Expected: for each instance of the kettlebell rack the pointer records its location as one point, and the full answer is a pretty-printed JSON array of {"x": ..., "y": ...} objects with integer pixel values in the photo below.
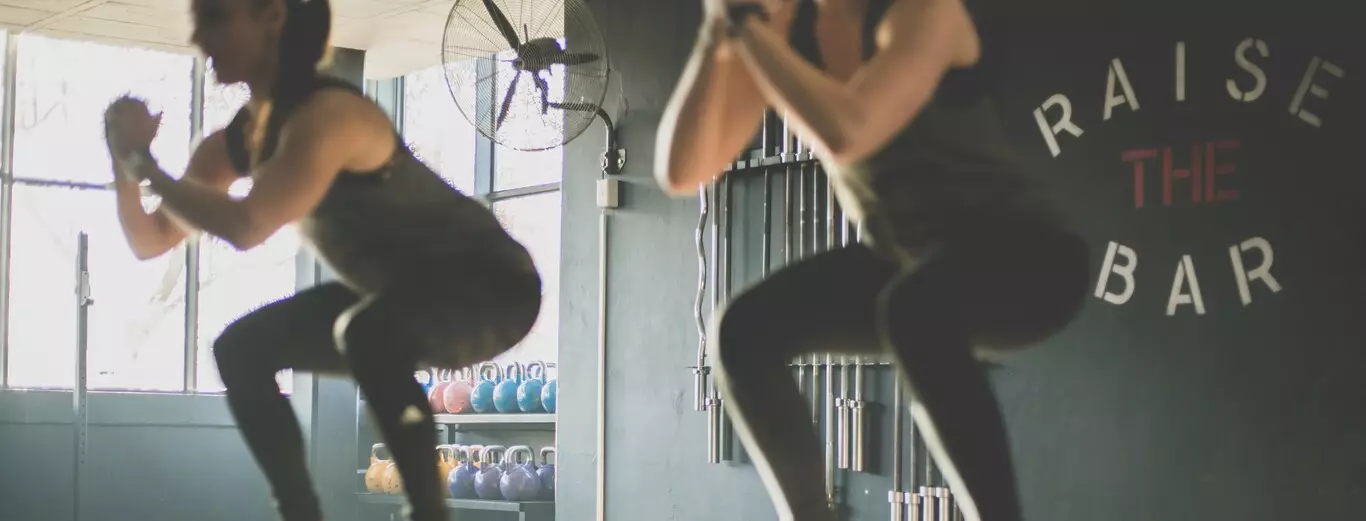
[{"x": 800, "y": 220}]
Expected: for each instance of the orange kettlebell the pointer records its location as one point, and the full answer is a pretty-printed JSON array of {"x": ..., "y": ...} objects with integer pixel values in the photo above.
[
  {"x": 392, "y": 480},
  {"x": 457, "y": 392},
  {"x": 445, "y": 462},
  {"x": 476, "y": 455},
  {"x": 374, "y": 475}
]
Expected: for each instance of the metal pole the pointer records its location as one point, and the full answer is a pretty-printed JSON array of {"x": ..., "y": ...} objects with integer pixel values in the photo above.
[
  {"x": 7, "y": 193},
  {"x": 700, "y": 371},
  {"x": 191, "y": 376},
  {"x": 713, "y": 401},
  {"x": 80, "y": 408},
  {"x": 723, "y": 433},
  {"x": 897, "y": 496},
  {"x": 789, "y": 156}
]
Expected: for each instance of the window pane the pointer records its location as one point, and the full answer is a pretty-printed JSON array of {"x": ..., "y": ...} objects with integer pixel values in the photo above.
[
  {"x": 233, "y": 283},
  {"x": 221, "y": 102},
  {"x": 515, "y": 168},
  {"x": 435, "y": 129},
  {"x": 64, "y": 87},
  {"x": 137, "y": 323},
  {"x": 535, "y": 222}
]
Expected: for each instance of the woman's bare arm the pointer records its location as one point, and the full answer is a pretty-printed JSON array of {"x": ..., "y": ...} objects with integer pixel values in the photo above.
[
  {"x": 713, "y": 113},
  {"x": 152, "y": 234},
  {"x": 918, "y": 42}
]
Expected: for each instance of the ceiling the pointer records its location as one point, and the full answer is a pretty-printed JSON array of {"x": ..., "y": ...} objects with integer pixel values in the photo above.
[{"x": 399, "y": 36}]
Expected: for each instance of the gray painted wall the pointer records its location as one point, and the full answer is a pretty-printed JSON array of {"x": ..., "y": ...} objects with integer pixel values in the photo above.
[
  {"x": 1128, "y": 415},
  {"x": 156, "y": 457}
]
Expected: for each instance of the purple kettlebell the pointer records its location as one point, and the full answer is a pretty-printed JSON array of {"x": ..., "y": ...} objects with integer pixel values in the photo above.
[
  {"x": 547, "y": 474},
  {"x": 486, "y": 480},
  {"x": 461, "y": 479},
  {"x": 520, "y": 482}
]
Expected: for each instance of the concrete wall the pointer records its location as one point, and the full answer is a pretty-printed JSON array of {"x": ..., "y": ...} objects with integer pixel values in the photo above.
[
  {"x": 1247, "y": 411},
  {"x": 158, "y": 457}
]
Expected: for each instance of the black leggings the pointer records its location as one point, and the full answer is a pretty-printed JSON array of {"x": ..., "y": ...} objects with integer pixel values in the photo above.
[
  {"x": 381, "y": 340},
  {"x": 1009, "y": 292}
]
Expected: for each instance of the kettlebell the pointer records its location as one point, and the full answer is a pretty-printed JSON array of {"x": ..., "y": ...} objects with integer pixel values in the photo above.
[
  {"x": 486, "y": 481},
  {"x": 519, "y": 481},
  {"x": 445, "y": 460},
  {"x": 547, "y": 474},
  {"x": 374, "y": 475},
  {"x": 457, "y": 395},
  {"x": 481, "y": 397},
  {"x": 392, "y": 480},
  {"x": 505, "y": 394},
  {"x": 529, "y": 392},
  {"x": 437, "y": 395},
  {"x": 550, "y": 391},
  {"x": 476, "y": 455},
  {"x": 460, "y": 481}
]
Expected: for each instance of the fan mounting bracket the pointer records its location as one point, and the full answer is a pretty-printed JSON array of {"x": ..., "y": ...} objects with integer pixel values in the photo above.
[{"x": 613, "y": 161}]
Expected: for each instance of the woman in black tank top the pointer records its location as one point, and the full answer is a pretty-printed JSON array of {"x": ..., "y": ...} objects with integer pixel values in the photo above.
[
  {"x": 427, "y": 276},
  {"x": 959, "y": 254}
]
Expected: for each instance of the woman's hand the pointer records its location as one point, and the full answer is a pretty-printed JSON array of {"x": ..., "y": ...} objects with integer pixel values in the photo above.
[
  {"x": 780, "y": 12},
  {"x": 129, "y": 126}
]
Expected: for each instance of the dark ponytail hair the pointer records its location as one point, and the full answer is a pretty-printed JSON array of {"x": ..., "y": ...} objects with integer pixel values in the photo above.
[{"x": 304, "y": 48}]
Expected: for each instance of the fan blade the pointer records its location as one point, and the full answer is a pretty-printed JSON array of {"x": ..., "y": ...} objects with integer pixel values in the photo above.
[
  {"x": 507, "y": 100},
  {"x": 504, "y": 26},
  {"x": 574, "y": 105},
  {"x": 544, "y": 87},
  {"x": 574, "y": 58}
]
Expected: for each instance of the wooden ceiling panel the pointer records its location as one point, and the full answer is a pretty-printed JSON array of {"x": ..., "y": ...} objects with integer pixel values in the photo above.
[{"x": 404, "y": 35}]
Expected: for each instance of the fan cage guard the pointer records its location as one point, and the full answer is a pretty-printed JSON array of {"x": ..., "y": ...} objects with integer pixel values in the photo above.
[{"x": 479, "y": 65}]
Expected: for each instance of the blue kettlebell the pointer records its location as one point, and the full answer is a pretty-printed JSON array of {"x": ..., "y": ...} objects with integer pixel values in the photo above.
[
  {"x": 529, "y": 393},
  {"x": 549, "y": 391},
  {"x": 505, "y": 393},
  {"x": 487, "y": 480},
  {"x": 519, "y": 481},
  {"x": 461, "y": 480},
  {"x": 547, "y": 474},
  {"x": 481, "y": 398},
  {"x": 426, "y": 379}
]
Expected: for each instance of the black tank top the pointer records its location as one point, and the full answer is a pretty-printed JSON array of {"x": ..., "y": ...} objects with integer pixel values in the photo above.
[
  {"x": 950, "y": 175},
  {"x": 400, "y": 220}
]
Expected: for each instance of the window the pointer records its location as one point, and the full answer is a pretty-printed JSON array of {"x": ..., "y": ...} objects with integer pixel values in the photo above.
[
  {"x": 434, "y": 127},
  {"x": 136, "y": 327},
  {"x": 534, "y": 220},
  {"x": 62, "y": 91},
  {"x": 233, "y": 283},
  {"x": 221, "y": 102}
]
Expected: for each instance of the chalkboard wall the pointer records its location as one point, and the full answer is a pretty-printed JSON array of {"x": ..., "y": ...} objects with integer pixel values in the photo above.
[{"x": 1213, "y": 374}]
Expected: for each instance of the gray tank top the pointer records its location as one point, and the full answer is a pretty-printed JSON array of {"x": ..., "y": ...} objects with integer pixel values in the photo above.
[
  {"x": 950, "y": 175},
  {"x": 402, "y": 220}
]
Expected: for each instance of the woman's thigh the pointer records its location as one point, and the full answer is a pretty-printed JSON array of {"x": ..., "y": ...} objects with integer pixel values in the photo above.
[
  {"x": 295, "y": 332},
  {"x": 1007, "y": 291},
  {"x": 458, "y": 318},
  {"x": 826, "y": 303}
]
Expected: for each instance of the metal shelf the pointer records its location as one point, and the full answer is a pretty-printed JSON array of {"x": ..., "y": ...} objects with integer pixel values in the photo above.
[
  {"x": 533, "y": 508},
  {"x": 543, "y": 419}
]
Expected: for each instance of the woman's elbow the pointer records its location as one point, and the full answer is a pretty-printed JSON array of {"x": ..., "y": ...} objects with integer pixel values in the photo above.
[{"x": 673, "y": 178}]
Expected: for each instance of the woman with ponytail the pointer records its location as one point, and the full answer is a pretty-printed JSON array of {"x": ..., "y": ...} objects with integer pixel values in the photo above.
[{"x": 427, "y": 276}]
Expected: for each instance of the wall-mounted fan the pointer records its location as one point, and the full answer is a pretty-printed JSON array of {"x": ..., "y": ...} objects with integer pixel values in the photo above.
[{"x": 528, "y": 74}]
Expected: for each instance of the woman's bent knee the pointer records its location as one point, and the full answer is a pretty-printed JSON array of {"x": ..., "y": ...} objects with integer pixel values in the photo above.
[{"x": 234, "y": 352}]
